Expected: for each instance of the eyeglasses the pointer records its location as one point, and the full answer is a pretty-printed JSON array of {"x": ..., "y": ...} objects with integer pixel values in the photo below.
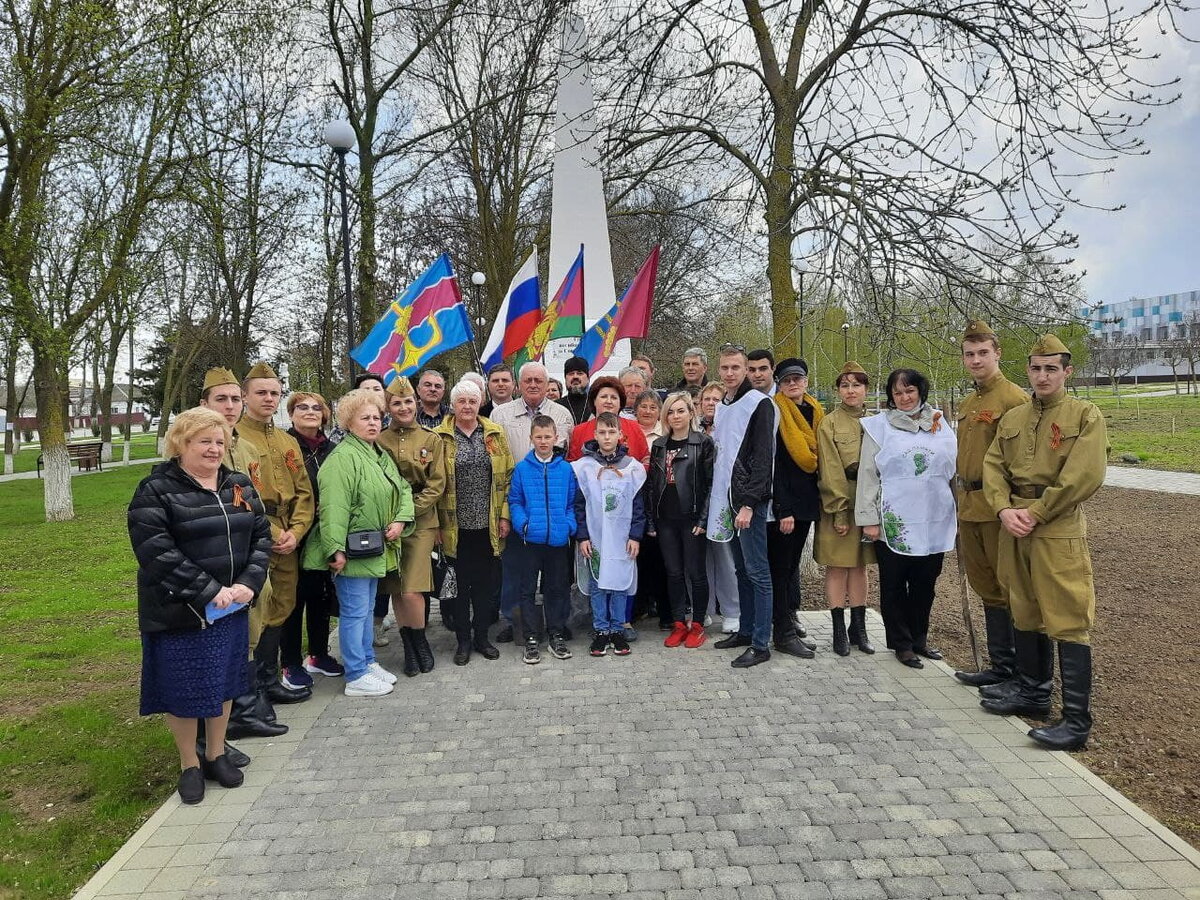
[{"x": 305, "y": 407}]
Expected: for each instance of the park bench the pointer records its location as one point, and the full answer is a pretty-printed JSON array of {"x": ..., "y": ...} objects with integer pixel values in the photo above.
[{"x": 85, "y": 453}]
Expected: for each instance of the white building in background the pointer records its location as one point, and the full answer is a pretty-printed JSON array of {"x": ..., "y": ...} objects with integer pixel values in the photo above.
[{"x": 1151, "y": 324}]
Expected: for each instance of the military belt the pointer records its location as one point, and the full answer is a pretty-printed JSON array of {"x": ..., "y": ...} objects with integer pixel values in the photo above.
[
  {"x": 271, "y": 507},
  {"x": 851, "y": 472},
  {"x": 1029, "y": 491},
  {"x": 970, "y": 485}
]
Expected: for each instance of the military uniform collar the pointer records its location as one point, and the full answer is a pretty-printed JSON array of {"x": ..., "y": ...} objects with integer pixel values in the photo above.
[
  {"x": 1052, "y": 401},
  {"x": 255, "y": 425},
  {"x": 988, "y": 384},
  {"x": 856, "y": 411},
  {"x": 398, "y": 428}
]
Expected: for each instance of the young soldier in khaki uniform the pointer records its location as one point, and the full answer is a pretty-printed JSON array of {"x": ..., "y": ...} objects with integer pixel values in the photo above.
[
  {"x": 978, "y": 528},
  {"x": 422, "y": 463},
  {"x": 282, "y": 482},
  {"x": 1048, "y": 458},
  {"x": 223, "y": 394}
]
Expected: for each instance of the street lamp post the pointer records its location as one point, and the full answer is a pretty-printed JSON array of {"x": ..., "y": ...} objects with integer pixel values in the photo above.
[
  {"x": 339, "y": 135},
  {"x": 478, "y": 280},
  {"x": 801, "y": 268},
  {"x": 845, "y": 341}
]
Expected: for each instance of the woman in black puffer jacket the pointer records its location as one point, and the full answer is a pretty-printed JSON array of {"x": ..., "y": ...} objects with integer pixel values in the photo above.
[{"x": 202, "y": 543}]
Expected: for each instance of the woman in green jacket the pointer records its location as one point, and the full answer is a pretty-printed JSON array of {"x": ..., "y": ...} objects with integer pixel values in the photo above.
[
  {"x": 362, "y": 494},
  {"x": 473, "y": 517}
]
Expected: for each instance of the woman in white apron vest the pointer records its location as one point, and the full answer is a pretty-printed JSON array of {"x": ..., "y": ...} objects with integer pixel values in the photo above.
[{"x": 905, "y": 504}]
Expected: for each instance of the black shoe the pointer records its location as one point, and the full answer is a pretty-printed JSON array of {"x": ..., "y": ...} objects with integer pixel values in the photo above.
[
  {"x": 910, "y": 659},
  {"x": 734, "y": 640},
  {"x": 505, "y": 635},
  {"x": 1071, "y": 732},
  {"x": 599, "y": 644},
  {"x": 1001, "y": 652},
  {"x": 411, "y": 669},
  {"x": 751, "y": 657},
  {"x": 928, "y": 652},
  {"x": 858, "y": 630},
  {"x": 222, "y": 771},
  {"x": 1002, "y": 689},
  {"x": 795, "y": 647},
  {"x": 425, "y": 661},
  {"x": 558, "y": 646},
  {"x": 485, "y": 649},
  {"x": 262, "y": 705},
  {"x": 532, "y": 655},
  {"x": 1015, "y": 706},
  {"x": 230, "y": 752},
  {"x": 281, "y": 693},
  {"x": 567, "y": 634},
  {"x": 191, "y": 785},
  {"x": 620, "y": 643},
  {"x": 462, "y": 653},
  {"x": 841, "y": 642},
  {"x": 798, "y": 621}
]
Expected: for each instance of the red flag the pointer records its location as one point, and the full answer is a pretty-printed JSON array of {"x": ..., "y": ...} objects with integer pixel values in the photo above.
[{"x": 628, "y": 318}]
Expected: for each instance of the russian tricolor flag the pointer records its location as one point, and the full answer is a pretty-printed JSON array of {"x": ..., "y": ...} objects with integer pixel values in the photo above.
[
  {"x": 427, "y": 319},
  {"x": 518, "y": 316}
]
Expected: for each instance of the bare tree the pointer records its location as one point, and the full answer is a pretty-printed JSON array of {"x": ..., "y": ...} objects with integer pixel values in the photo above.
[
  {"x": 1114, "y": 360},
  {"x": 937, "y": 139}
]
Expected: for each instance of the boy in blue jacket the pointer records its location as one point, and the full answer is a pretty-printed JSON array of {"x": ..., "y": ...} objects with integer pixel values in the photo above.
[{"x": 541, "y": 500}]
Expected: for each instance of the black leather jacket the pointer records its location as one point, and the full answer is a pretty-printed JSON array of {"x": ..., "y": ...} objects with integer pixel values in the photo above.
[
  {"x": 190, "y": 542},
  {"x": 693, "y": 467}
]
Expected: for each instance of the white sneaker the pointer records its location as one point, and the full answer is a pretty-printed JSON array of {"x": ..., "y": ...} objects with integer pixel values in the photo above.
[
  {"x": 730, "y": 626},
  {"x": 380, "y": 673},
  {"x": 367, "y": 686},
  {"x": 380, "y": 639},
  {"x": 389, "y": 621}
]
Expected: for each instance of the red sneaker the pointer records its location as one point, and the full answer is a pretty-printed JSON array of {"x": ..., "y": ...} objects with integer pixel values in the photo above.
[
  {"x": 678, "y": 633},
  {"x": 695, "y": 636}
]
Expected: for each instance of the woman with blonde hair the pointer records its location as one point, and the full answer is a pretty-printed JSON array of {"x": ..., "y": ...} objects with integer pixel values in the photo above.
[
  {"x": 202, "y": 542},
  {"x": 366, "y": 507}
]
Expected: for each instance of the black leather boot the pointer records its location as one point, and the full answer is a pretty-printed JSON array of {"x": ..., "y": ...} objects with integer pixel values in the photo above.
[
  {"x": 244, "y": 721},
  {"x": 1001, "y": 652},
  {"x": 858, "y": 629},
  {"x": 484, "y": 647},
  {"x": 424, "y": 651},
  {"x": 232, "y": 753},
  {"x": 462, "y": 653},
  {"x": 262, "y": 705},
  {"x": 266, "y": 659},
  {"x": 841, "y": 641},
  {"x": 411, "y": 668},
  {"x": 1072, "y": 730},
  {"x": 1035, "y": 679}
]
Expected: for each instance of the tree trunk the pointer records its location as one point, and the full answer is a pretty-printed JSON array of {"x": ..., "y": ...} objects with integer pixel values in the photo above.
[
  {"x": 106, "y": 392},
  {"x": 11, "y": 405},
  {"x": 56, "y": 461}
]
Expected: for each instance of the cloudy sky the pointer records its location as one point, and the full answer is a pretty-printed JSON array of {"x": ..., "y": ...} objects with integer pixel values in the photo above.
[{"x": 1153, "y": 246}]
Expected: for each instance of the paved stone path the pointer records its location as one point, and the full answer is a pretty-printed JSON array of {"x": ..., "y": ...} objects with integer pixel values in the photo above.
[
  {"x": 1153, "y": 480},
  {"x": 666, "y": 774}
]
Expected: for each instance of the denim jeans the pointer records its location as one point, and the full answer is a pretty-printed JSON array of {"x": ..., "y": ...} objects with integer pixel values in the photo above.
[
  {"x": 356, "y": 597},
  {"x": 608, "y": 610},
  {"x": 754, "y": 580}
]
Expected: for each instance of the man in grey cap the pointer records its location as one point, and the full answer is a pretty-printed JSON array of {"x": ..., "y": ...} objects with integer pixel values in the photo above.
[{"x": 575, "y": 374}]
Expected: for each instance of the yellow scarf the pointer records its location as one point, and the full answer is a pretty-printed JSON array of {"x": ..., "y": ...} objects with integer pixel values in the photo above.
[{"x": 799, "y": 437}]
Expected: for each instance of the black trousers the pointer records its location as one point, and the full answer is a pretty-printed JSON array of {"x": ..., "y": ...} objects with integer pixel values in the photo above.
[
  {"x": 316, "y": 598},
  {"x": 783, "y": 555},
  {"x": 551, "y": 564},
  {"x": 652, "y": 592},
  {"x": 906, "y": 587},
  {"x": 683, "y": 556},
  {"x": 474, "y": 610}
]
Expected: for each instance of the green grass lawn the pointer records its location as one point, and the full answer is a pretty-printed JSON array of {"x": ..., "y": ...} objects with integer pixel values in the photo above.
[
  {"x": 80, "y": 770},
  {"x": 1163, "y": 432},
  {"x": 144, "y": 447}
]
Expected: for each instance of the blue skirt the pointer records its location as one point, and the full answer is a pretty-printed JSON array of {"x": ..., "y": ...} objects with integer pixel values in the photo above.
[{"x": 190, "y": 674}]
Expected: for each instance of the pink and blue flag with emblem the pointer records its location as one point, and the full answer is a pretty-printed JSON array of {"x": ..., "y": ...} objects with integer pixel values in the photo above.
[{"x": 427, "y": 319}]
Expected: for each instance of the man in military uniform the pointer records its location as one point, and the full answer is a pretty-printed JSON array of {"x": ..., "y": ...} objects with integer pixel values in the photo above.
[
  {"x": 978, "y": 528},
  {"x": 1048, "y": 457},
  {"x": 222, "y": 394},
  {"x": 282, "y": 481}
]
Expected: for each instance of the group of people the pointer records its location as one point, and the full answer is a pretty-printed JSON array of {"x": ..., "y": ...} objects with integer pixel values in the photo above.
[{"x": 250, "y": 538}]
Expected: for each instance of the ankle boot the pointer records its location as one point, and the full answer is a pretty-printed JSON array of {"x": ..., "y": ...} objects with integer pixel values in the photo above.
[
  {"x": 1072, "y": 730},
  {"x": 411, "y": 668},
  {"x": 483, "y": 646},
  {"x": 266, "y": 659},
  {"x": 1035, "y": 679},
  {"x": 858, "y": 629},
  {"x": 424, "y": 651},
  {"x": 245, "y": 721},
  {"x": 1001, "y": 652},
  {"x": 841, "y": 642},
  {"x": 462, "y": 653}
]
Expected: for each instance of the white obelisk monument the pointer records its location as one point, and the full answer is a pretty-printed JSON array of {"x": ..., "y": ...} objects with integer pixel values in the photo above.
[{"x": 578, "y": 213}]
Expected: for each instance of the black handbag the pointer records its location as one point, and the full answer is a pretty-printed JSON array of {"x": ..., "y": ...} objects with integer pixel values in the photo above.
[{"x": 364, "y": 544}]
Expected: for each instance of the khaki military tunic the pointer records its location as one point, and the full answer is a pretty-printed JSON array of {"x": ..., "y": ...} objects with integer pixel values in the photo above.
[
  {"x": 839, "y": 441},
  {"x": 282, "y": 482},
  {"x": 1048, "y": 457},
  {"x": 421, "y": 460},
  {"x": 239, "y": 456},
  {"x": 978, "y": 528}
]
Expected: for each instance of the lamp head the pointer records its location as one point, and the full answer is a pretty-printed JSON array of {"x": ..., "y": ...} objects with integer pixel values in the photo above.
[
  {"x": 339, "y": 135},
  {"x": 478, "y": 279}
]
